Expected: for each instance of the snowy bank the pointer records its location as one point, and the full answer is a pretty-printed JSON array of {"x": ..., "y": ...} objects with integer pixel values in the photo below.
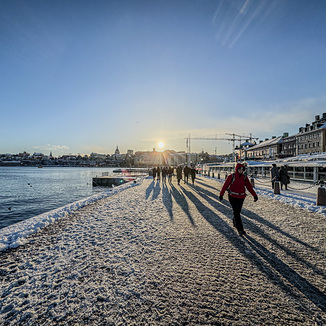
[{"x": 16, "y": 234}]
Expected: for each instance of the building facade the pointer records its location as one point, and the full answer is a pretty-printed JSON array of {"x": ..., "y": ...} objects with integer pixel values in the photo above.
[
  {"x": 289, "y": 147},
  {"x": 270, "y": 149},
  {"x": 311, "y": 138}
]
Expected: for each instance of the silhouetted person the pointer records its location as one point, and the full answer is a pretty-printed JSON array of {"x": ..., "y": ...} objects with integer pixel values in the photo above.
[
  {"x": 164, "y": 173},
  {"x": 186, "y": 172},
  {"x": 275, "y": 176},
  {"x": 179, "y": 173},
  {"x": 154, "y": 172},
  {"x": 193, "y": 175},
  {"x": 158, "y": 171},
  {"x": 284, "y": 177},
  {"x": 170, "y": 173}
]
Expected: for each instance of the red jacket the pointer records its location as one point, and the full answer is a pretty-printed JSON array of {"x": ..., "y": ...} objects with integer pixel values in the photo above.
[{"x": 238, "y": 187}]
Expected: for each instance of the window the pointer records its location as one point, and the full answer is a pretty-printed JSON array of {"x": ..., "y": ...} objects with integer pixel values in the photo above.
[{"x": 309, "y": 173}]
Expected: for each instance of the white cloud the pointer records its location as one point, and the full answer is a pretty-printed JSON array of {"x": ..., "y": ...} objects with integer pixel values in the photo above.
[{"x": 49, "y": 147}]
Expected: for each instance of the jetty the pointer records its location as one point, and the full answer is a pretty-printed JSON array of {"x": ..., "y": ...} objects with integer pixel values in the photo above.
[
  {"x": 166, "y": 254},
  {"x": 121, "y": 176}
]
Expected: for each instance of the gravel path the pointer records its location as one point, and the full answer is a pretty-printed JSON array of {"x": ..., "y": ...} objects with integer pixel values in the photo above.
[{"x": 161, "y": 254}]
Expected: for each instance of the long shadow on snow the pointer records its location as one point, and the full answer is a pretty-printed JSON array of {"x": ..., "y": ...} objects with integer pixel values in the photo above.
[
  {"x": 149, "y": 189},
  {"x": 249, "y": 215},
  {"x": 182, "y": 202},
  {"x": 305, "y": 287},
  {"x": 167, "y": 200},
  {"x": 260, "y": 220},
  {"x": 156, "y": 190},
  {"x": 206, "y": 185},
  {"x": 263, "y": 255}
]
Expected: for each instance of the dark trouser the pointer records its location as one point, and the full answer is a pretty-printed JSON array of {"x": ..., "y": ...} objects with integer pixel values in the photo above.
[
  {"x": 285, "y": 185},
  {"x": 236, "y": 204}
]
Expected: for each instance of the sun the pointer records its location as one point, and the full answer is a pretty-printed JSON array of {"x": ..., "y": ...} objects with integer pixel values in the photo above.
[{"x": 160, "y": 144}]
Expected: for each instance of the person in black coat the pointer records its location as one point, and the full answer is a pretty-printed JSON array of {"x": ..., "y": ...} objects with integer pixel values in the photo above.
[
  {"x": 193, "y": 174},
  {"x": 170, "y": 173},
  {"x": 158, "y": 171},
  {"x": 275, "y": 176},
  {"x": 186, "y": 172},
  {"x": 154, "y": 172},
  {"x": 284, "y": 177},
  {"x": 179, "y": 173},
  {"x": 164, "y": 173}
]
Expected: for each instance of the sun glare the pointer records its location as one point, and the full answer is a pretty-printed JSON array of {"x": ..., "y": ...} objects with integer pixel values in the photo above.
[{"x": 160, "y": 144}]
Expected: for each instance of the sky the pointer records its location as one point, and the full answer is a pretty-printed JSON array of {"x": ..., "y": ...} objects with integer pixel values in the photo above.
[{"x": 83, "y": 76}]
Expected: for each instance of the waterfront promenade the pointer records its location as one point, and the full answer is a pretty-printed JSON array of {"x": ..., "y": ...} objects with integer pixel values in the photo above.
[{"x": 163, "y": 254}]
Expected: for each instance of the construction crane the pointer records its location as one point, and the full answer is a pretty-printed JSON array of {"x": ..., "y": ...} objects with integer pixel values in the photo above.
[
  {"x": 233, "y": 139},
  {"x": 241, "y": 138}
]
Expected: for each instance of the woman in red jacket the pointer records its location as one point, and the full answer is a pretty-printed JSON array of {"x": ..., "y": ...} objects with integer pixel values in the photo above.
[{"x": 236, "y": 184}]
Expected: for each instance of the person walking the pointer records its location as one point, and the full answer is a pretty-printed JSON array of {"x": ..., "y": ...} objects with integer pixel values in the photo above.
[
  {"x": 158, "y": 172},
  {"x": 154, "y": 173},
  {"x": 236, "y": 184},
  {"x": 179, "y": 173},
  {"x": 193, "y": 174},
  {"x": 284, "y": 177},
  {"x": 170, "y": 175},
  {"x": 164, "y": 173},
  {"x": 186, "y": 172},
  {"x": 275, "y": 176}
]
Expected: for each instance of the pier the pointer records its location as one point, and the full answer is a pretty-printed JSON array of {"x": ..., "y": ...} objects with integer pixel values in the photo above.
[
  {"x": 111, "y": 181},
  {"x": 122, "y": 175},
  {"x": 162, "y": 254}
]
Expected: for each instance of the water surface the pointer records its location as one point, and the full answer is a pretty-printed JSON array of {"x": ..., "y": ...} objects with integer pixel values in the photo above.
[{"x": 29, "y": 191}]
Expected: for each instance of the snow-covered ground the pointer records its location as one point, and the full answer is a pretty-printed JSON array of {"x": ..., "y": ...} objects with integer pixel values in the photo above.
[{"x": 162, "y": 254}]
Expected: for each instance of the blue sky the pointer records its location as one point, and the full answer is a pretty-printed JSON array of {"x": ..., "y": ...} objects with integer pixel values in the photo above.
[{"x": 86, "y": 76}]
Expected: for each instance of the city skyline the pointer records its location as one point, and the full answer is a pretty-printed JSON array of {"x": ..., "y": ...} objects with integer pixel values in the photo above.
[{"x": 86, "y": 76}]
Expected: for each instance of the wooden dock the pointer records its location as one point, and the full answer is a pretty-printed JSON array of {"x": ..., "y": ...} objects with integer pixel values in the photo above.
[
  {"x": 111, "y": 181},
  {"x": 124, "y": 176}
]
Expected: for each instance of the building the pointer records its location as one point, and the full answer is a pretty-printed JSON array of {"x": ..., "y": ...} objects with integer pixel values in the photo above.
[
  {"x": 147, "y": 158},
  {"x": 311, "y": 138},
  {"x": 166, "y": 158},
  {"x": 241, "y": 150},
  {"x": 270, "y": 149},
  {"x": 289, "y": 147}
]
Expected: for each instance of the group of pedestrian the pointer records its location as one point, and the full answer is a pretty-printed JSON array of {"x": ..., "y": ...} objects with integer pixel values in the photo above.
[
  {"x": 280, "y": 174},
  {"x": 235, "y": 184},
  {"x": 186, "y": 172},
  {"x": 165, "y": 171},
  {"x": 182, "y": 173}
]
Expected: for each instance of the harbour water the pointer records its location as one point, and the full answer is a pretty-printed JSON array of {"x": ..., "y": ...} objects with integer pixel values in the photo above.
[{"x": 29, "y": 191}]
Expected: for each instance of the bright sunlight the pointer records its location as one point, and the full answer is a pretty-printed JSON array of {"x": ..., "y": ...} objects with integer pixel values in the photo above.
[{"x": 160, "y": 144}]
